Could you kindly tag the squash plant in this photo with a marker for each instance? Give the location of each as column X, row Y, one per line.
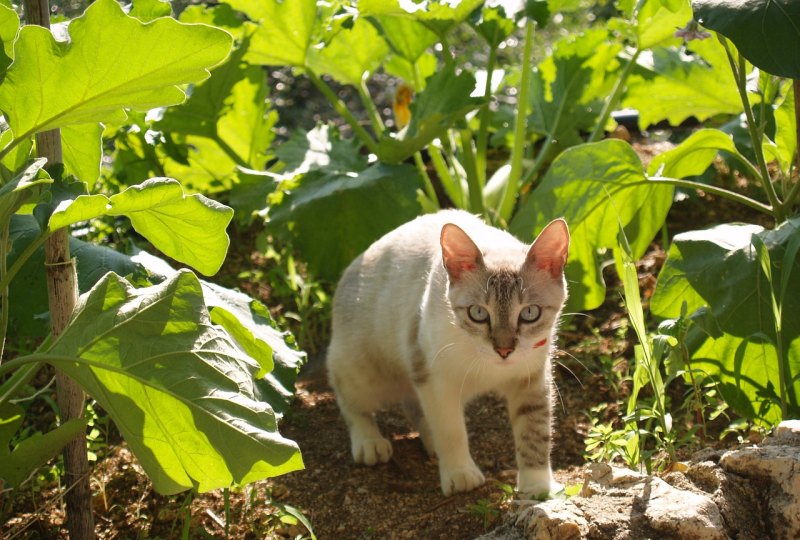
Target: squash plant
column 192, row 374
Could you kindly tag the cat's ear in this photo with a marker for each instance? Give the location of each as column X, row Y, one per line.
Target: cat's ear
column 550, row 249
column 459, row 252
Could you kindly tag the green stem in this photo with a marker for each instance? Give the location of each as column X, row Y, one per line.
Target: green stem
column 451, row 184
column 18, row 380
column 470, row 166
column 714, row 190
column 613, row 99
column 372, row 111
column 426, row 179
column 231, row 152
column 520, row 127
column 344, row 112
column 739, row 75
column 482, row 141
column 4, row 247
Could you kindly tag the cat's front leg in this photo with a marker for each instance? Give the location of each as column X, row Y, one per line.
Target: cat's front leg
column 445, row 415
column 529, row 409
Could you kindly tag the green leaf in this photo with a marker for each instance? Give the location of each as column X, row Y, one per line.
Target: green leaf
column 11, row 416
column 693, row 156
column 785, row 144
column 406, row 37
column 188, row 228
column 21, row 188
column 28, row 291
column 82, row 148
column 320, row 148
column 9, row 24
column 221, row 15
column 766, row 32
column 283, row 31
column 180, row 392
column 656, row 22
column 445, row 100
column 232, row 110
column 331, row 218
column 14, row 160
column 148, row 10
column 98, row 73
column 494, row 25
column 352, row 55
column 36, row 450
column 719, row 268
column 672, row 86
column 595, row 187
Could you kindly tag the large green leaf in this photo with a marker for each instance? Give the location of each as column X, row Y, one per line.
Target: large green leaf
column 352, row 55
column 21, row 189
column 188, row 228
column 331, row 218
column 28, row 290
column 693, row 156
column 181, row 393
column 595, row 187
column 766, row 32
column 82, row 148
column 111, row 62
column 9, row 24
column 446, row 99
column 670, row 85
column 657, row 21
column 250, row 325
column 718, row 268
column 283, row 31
column 320, row 148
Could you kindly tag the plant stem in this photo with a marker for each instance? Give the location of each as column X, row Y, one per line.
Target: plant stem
column 426, row 179
column 344, row 112
column 369, row 105
column 482, row 141
column 4, row 248
column 791, row 197
column 470, row 166
column 714, row 190
column 451, row 184
column 778, row 212
column 520, row 127
column 613, row 99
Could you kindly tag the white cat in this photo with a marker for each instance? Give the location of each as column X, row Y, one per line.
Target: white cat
column 436, row 312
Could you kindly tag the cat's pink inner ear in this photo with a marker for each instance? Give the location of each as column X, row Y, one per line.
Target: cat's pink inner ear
column 459, row 253
column 550, row 250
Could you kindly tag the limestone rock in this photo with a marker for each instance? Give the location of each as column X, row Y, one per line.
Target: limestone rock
column 750, row 492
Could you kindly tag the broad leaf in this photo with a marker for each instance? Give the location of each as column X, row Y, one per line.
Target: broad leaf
column 673, row 86
column 785, row 144
column 16, row 158
column 9, row 25
column 595, row 187
column 331, row 218
column 250, row 325
column 283, row 31
column 148, row 10
column 28, row 291
column 181, row 393
column 352, row 55
column 656, row 22
column 693, row 156
column 766, row 32
column 445, row 100
column 320, row 148
column 20, row 189
column 188, row 228
column 719, row 268
column 82, row 148
column 100, row 72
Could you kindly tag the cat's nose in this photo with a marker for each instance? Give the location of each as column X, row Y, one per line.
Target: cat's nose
column 504, row 351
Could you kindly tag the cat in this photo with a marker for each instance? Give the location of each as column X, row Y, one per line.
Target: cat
column 436, row 312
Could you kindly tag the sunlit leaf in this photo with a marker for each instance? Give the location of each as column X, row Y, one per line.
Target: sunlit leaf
column 112, row 61
column 352, row 55
column 180, row 392
column 82, row 148
column 693, row 156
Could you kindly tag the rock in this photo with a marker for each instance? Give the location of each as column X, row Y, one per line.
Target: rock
column 750, row 492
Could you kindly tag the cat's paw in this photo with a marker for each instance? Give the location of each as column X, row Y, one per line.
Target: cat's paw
column 371, row 451
column 537, row 483
column 458, row 479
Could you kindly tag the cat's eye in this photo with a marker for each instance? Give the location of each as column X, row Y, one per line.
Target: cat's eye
column 478, row 313
column 530, row 314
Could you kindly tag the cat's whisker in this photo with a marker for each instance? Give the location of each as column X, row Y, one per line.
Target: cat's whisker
column 563, row 365
column 560, row 398
column 439, row 353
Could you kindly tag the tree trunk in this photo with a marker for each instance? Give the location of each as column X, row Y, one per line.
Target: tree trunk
column 62, row 292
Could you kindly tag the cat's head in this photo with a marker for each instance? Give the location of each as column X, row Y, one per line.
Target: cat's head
column 509, row 295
